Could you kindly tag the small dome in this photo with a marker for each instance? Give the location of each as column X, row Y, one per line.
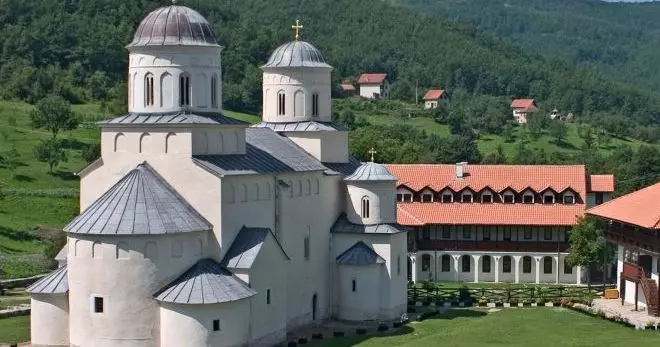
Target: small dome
column 297, row 54
column 176, row 26
column 371, row 172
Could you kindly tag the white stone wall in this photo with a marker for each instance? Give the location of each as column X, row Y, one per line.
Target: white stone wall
column 167, row 64
column 368, row 90
column 49, row 321
column 298, row 86
column 126, row 271
column 326, row 146
column 382, row 202
column 192, row 325
column 364, row 303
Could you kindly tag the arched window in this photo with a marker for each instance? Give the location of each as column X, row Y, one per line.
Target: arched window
column 306, row 242
column 398, row 265
column 365, row 207
column 119, row 142
column 151, row 250
column 169, row 142
column 508, row 197
column 317, row 186
column 149, row 90
column 300, row 188
column 485, row 264
column 465, row 263
column 97, row 251
column 528, row 197
column 506, row 264
column 487, row 197
column 315, row 105
column 309, row 187
column 177, row 249
column 466, row 196
column 121, row 251
column 281, row 102
column 426, row 262
column 446, row 263
column 527, row 264
column 145, row 143
column 214, row 91
column 184, row 90
column 547, row 265
column 549, row 197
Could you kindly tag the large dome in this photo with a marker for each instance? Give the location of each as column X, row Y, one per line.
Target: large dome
column 371, row 172
column 174, row 26
column 296, row 54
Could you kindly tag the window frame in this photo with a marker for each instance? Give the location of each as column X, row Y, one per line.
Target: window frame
column 568, row 196
column 486, row 260
column 527, row 264
column 427, row 197
column 149, row 91
column 366, row 208
column 268, row 298
column 281, row 103
column 446, row 232
column 526, row 196
column 98, row 304
column 214, row 91
column 446, row 193
column 426, row 262
column 547, row 195
column 508, row 194
column 446, row 268
column 466, row 268
column 547, row 260
column 185, row 86
column 568, row 267
column 547, row 234
column 506, row 268
column 469, row 194
column 490, row 197
column 315, row 105
column 216, row 325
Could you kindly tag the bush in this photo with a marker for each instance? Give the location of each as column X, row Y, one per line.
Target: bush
column 397, row 325
column 338, row 334
column 566, row 302
column 540, row 301
column 382, row 327
column 360, row 331
column 513, row 301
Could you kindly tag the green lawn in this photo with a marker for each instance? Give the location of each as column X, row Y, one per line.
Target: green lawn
column 508, row 327
column 15, row 329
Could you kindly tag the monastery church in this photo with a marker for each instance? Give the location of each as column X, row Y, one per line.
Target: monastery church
column 199, row 230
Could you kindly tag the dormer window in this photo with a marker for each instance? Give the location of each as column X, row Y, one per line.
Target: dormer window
column 466, row 196
column 404, row 195
column 508, row 197
column 548, row 198
column 427, row 197
column 487, row 197
column 447, row 197
column 569, row 198
column 528, row 197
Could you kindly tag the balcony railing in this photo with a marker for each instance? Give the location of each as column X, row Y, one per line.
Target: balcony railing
column 638, row 238
column 632, row 272
column 500, row 246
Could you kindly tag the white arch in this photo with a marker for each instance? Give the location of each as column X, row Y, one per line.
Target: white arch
column 317, row 185
column 202, row 98
column 121, row 251
column 145, row 143
column 97, row 250
column 120, row 146
column 220, row 145
column 245, row 193
column 299, row 103
column 166, row 90
column 170, row 139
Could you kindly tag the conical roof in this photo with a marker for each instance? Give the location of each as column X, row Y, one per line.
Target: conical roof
column 296, row 54
column 371, row 172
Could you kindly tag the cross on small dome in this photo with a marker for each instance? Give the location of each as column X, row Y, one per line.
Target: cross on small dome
column 297, row 28
column 372, row 151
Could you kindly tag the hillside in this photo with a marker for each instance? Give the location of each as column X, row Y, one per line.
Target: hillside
column 75, row 49
column 622, row 40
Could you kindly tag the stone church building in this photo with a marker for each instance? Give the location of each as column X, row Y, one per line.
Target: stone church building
column 197, row 229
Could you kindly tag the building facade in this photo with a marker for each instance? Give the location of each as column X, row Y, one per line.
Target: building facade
column 374, row 86
column 434, row 97
column 198, row 230
column 494, row 223
column 523, row 109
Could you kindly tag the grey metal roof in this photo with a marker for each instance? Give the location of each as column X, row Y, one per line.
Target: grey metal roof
column 371, row 172
column 301, row 126
column 344, row 226
column 55, row 282
column 174, row 26
column 296, row 54
column 266, row 152
column 141, row 202
column 359, row 254
column 343, row 168
column 61, row 255
column 245, row 248
column 207, row 282
column 172, row 118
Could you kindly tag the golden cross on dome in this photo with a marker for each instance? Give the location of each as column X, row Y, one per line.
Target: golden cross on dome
column 372, row 152
column 297, row 28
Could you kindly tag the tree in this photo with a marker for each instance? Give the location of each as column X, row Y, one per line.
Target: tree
column 11, row 161
column 91, row 152
column 53, row 114
column 497, row 157
column 50, row 151
column 558, row 130
column 588, row 244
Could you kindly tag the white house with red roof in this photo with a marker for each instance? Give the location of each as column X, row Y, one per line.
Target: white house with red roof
column 433, row 97
column 346, row 89
column 374, row 86
column 523, row 109
column 494, row 223
column 633, row 224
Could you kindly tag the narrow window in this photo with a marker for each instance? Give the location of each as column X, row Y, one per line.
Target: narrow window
column 506, row 264
column 465, row 263
column 398, row 265
column 98, row 304
column 568, row 269
column 149, row 90
column 507, row 233
column 446, row 262
column 216, row 325
column 426, row 262
column 446, row 232
column 467, row 233
column 485, row 264
column 315, row 105
column 399, row 197
column 365, row 207
column 267, row 296
column 547, row 233
column 527, row 264
column 184, row 91
column 486, row 233
column 354, row 286
column 547, row 265
column 214, row 91
column 281, row 104
column 306, row 247
column 426, row 232
column 527, row 234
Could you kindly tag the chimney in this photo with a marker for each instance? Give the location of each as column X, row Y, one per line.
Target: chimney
column 460, row 169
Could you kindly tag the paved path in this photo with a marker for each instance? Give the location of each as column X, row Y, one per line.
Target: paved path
column 638, row 318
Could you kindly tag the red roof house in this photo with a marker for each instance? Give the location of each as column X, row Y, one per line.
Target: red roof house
column 374, row 86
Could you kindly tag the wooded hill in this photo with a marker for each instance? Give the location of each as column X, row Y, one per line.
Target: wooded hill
column 75, row 48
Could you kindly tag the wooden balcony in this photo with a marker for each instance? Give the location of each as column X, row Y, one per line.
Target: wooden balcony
column 495, row 246
column 632, row 272
column 633, row 237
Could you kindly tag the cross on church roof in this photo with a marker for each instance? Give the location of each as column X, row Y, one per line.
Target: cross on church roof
column 297, row 28
column 372, row 151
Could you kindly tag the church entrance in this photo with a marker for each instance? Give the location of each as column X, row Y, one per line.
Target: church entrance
column 314, row 307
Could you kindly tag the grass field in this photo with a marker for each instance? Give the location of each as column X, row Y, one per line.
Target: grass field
column 14, row 330
column 508, row 327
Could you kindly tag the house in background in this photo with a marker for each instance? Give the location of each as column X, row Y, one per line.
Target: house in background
column 346, row 89
column 433, row 97
column 523, row 109
column 374, row 86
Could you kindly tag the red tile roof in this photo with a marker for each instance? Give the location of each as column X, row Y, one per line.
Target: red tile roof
column 433, row 94
column 496, row 177
column 372, row 78
column 420, row 213
column 347, row 87
column 601, row 183
column 522, row 103
column 639, row 208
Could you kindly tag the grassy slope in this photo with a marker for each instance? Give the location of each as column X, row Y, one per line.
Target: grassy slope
column 509, row 327
column 15, row 330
